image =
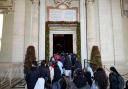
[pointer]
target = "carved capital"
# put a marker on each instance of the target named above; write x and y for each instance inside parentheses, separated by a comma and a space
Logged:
(63, 2)
(35, 1)
(6, 6)
(90, 1)
(124, 7)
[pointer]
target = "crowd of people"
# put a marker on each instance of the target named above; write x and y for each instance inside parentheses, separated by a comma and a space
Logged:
(64, 71)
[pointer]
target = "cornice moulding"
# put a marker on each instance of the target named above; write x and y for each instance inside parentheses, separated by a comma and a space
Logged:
(6, 6)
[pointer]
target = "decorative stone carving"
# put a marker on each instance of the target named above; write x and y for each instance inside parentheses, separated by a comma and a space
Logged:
(63, 2)
(90, 0)
(124, 7)
(35, 1)
(6, 6)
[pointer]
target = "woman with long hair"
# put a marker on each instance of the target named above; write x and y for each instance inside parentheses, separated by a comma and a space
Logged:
(115, 79)
(29, 57)
(100, 79)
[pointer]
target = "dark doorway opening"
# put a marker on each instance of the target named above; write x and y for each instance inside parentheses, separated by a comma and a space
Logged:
(62, 43)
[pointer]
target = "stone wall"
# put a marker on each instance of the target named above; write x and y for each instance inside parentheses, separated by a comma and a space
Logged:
(6, 46)
(18, 31)
(105, 28)
(125, 30)
(111, 33)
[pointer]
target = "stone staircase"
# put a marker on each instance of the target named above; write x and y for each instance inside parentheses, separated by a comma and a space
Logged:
(7, 84)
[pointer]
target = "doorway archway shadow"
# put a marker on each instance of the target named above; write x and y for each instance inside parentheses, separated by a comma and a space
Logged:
(50, 24)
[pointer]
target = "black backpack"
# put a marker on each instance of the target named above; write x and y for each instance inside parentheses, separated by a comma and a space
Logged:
(121, 82)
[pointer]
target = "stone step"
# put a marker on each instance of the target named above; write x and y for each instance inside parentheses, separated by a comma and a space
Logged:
(6, 84)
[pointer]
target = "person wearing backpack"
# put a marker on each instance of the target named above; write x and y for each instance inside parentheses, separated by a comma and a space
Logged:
(115, 79)
(44, 73)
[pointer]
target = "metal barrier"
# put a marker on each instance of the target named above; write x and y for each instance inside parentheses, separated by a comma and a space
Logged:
(86, 62)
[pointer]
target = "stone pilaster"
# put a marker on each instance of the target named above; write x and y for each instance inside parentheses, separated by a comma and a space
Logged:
(91, 29)
(35, 24)
(83, 31)
(42, 30)
(18, 31)
(92, 1)
(6, 6)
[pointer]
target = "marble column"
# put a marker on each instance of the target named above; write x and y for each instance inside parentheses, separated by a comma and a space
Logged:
(34, 25)
(91, 27)
(83, 31)
(42, 30)
(18, 31)
(118, 39)
(106, 32)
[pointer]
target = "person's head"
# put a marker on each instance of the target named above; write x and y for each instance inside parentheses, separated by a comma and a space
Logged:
(101, 78)
(30, 50)
(29, 57)
(113, 69)
(30, 53)
(43, 63)
(34, 64)
(54, 64)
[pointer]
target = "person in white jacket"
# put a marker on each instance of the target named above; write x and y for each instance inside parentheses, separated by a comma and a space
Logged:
(51, 72)
(40, 84)
(60, 65)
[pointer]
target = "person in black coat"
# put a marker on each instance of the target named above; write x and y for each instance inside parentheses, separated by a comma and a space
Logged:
(67, 66)
(115, 79)
(67, 62)
(44, 72)
(87, 74)
(57, 76)
(57, 73)
(32, 76)
(79, 78)
(63, 83)
(78, 64)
